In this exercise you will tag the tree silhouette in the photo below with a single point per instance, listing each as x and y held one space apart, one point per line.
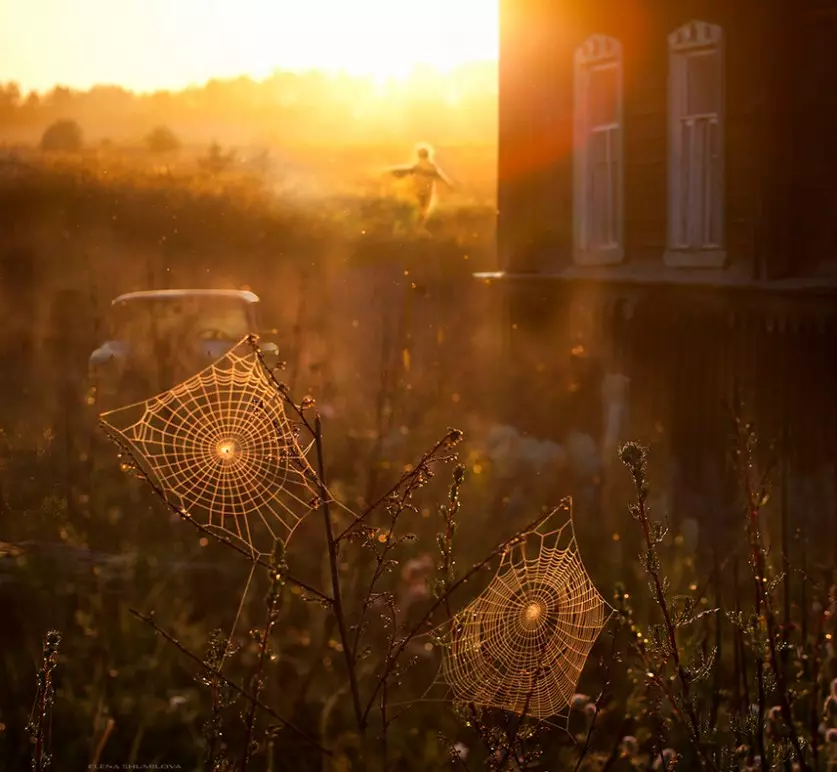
300 108
162 140
63 136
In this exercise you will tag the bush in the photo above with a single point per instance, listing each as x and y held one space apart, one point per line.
64 136
162 140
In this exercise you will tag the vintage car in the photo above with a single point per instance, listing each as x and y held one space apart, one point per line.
156 338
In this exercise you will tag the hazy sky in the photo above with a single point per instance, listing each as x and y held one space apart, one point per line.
149 44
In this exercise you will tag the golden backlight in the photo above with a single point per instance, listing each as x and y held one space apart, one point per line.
156 44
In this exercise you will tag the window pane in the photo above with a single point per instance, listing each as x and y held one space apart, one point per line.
602 95
598 186
603 190
684 205
614 190
703 83
697 236
715 185
701 182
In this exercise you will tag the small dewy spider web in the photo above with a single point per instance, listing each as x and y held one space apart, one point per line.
221 447
522 643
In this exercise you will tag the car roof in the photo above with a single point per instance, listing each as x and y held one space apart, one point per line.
174 294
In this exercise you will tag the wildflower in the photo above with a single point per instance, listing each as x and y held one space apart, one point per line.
629 747
177 701
633 455
774 721
415 575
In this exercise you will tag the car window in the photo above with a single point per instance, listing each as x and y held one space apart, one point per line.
210 318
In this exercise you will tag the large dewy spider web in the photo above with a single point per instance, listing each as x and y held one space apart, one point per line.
221 447
522 643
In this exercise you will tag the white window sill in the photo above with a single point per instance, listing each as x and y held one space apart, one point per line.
695 258
610 256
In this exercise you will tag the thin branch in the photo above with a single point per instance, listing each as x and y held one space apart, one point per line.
337 605
274 602
231 684
634 457
599 701
755 496
448 441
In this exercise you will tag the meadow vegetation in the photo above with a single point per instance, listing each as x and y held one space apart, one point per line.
117 610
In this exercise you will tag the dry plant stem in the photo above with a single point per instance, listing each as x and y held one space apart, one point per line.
43 702
337 600
215 718
716 688
208 532
660 598
448 441
376 575
274 603
511 737
411 484
100 746
443 599
449 513
761 706
598 703
754 496
227 682
741 680
814 718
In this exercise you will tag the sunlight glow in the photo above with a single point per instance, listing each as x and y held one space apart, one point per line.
155 44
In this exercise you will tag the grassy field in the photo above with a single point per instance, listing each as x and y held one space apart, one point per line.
117 611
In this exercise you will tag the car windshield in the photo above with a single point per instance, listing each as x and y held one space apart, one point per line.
190 316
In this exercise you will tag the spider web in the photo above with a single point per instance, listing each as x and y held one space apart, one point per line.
222 448
522 643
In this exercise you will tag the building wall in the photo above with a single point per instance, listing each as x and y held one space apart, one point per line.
780 132
812 155
663 365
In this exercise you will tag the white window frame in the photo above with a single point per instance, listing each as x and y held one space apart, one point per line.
597 52
694 38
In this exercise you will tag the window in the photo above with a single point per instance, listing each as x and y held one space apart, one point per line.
597 179
696 146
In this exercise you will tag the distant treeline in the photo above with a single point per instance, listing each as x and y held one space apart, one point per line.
286 108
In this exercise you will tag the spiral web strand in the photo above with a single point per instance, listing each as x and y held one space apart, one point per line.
221 447
522 643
